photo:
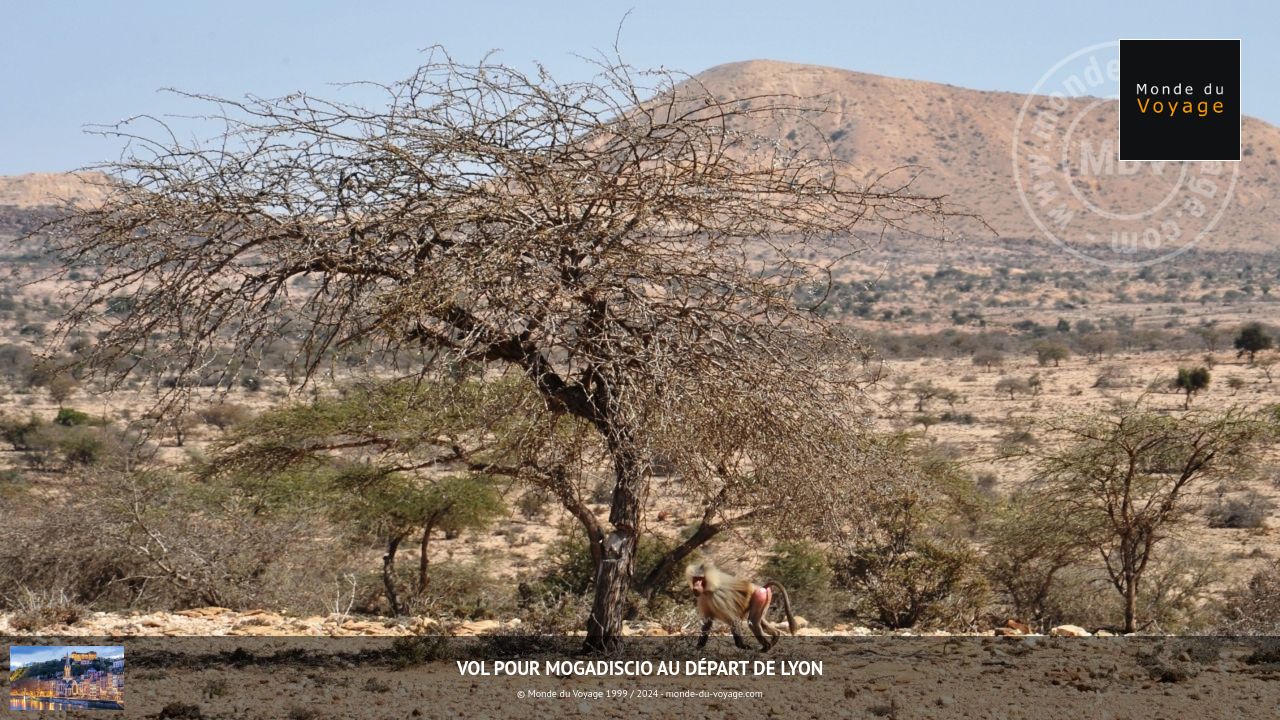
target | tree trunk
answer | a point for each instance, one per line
(1131, 606)
(389, 574)
(613, 575)
(422, 559)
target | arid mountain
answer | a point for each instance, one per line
(962, 143)
(963, 140)
(44, 189)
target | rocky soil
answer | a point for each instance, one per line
(224, 622)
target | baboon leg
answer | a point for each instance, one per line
(757, 628)
(775, 632)
(756, 612)
(706, 630)
(737, 637)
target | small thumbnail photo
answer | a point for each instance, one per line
(66, 677)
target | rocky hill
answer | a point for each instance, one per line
(961, 139)
(35, 190)
(964, 141)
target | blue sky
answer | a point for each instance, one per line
(67, 64)
(20, 655)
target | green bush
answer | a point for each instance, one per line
(571, 570)
(802, 567)
(913, 562)
(929, 582)
(649, 552)
(416, 650)
(84, 446)
(70, 417)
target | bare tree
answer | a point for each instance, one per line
(1130, 475)
(632, 245)
(1266, 365)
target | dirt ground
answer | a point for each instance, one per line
(971, 677)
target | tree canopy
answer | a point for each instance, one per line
(1127, 476)
(631, 245)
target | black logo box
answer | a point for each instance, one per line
(1185, 68)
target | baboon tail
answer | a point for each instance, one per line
(786, 604)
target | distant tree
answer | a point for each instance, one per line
(1236, 384)
(1064, 325)
(925, 420)
(16, 364)
(1251, 340)
(1266, 365)
(1096, 345)
(988, 359)
(452, 505)
(1129, 474)
(1210, 336)
(926, 391)
(181, 423)
(1012, 385)
(392, 506)
(1050, 351)
(1191, 381)
(61, 387)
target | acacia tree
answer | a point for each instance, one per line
(1251, 340)
(632, 245)
(1191, 381)
(1129, 475)
(391, 506)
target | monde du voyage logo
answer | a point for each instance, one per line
(1180, 100)
(1125, 153)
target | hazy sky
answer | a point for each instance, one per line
(67, 64)
(20, 655)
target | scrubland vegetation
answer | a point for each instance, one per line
(365, 497)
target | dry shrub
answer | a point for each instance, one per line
(911, 562)
(1253, 609)
(464, 590)
(36, 611)
(224, 415)
(164, 541)
(1171, 599)
(1249, 511)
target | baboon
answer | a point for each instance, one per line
(729, 599)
